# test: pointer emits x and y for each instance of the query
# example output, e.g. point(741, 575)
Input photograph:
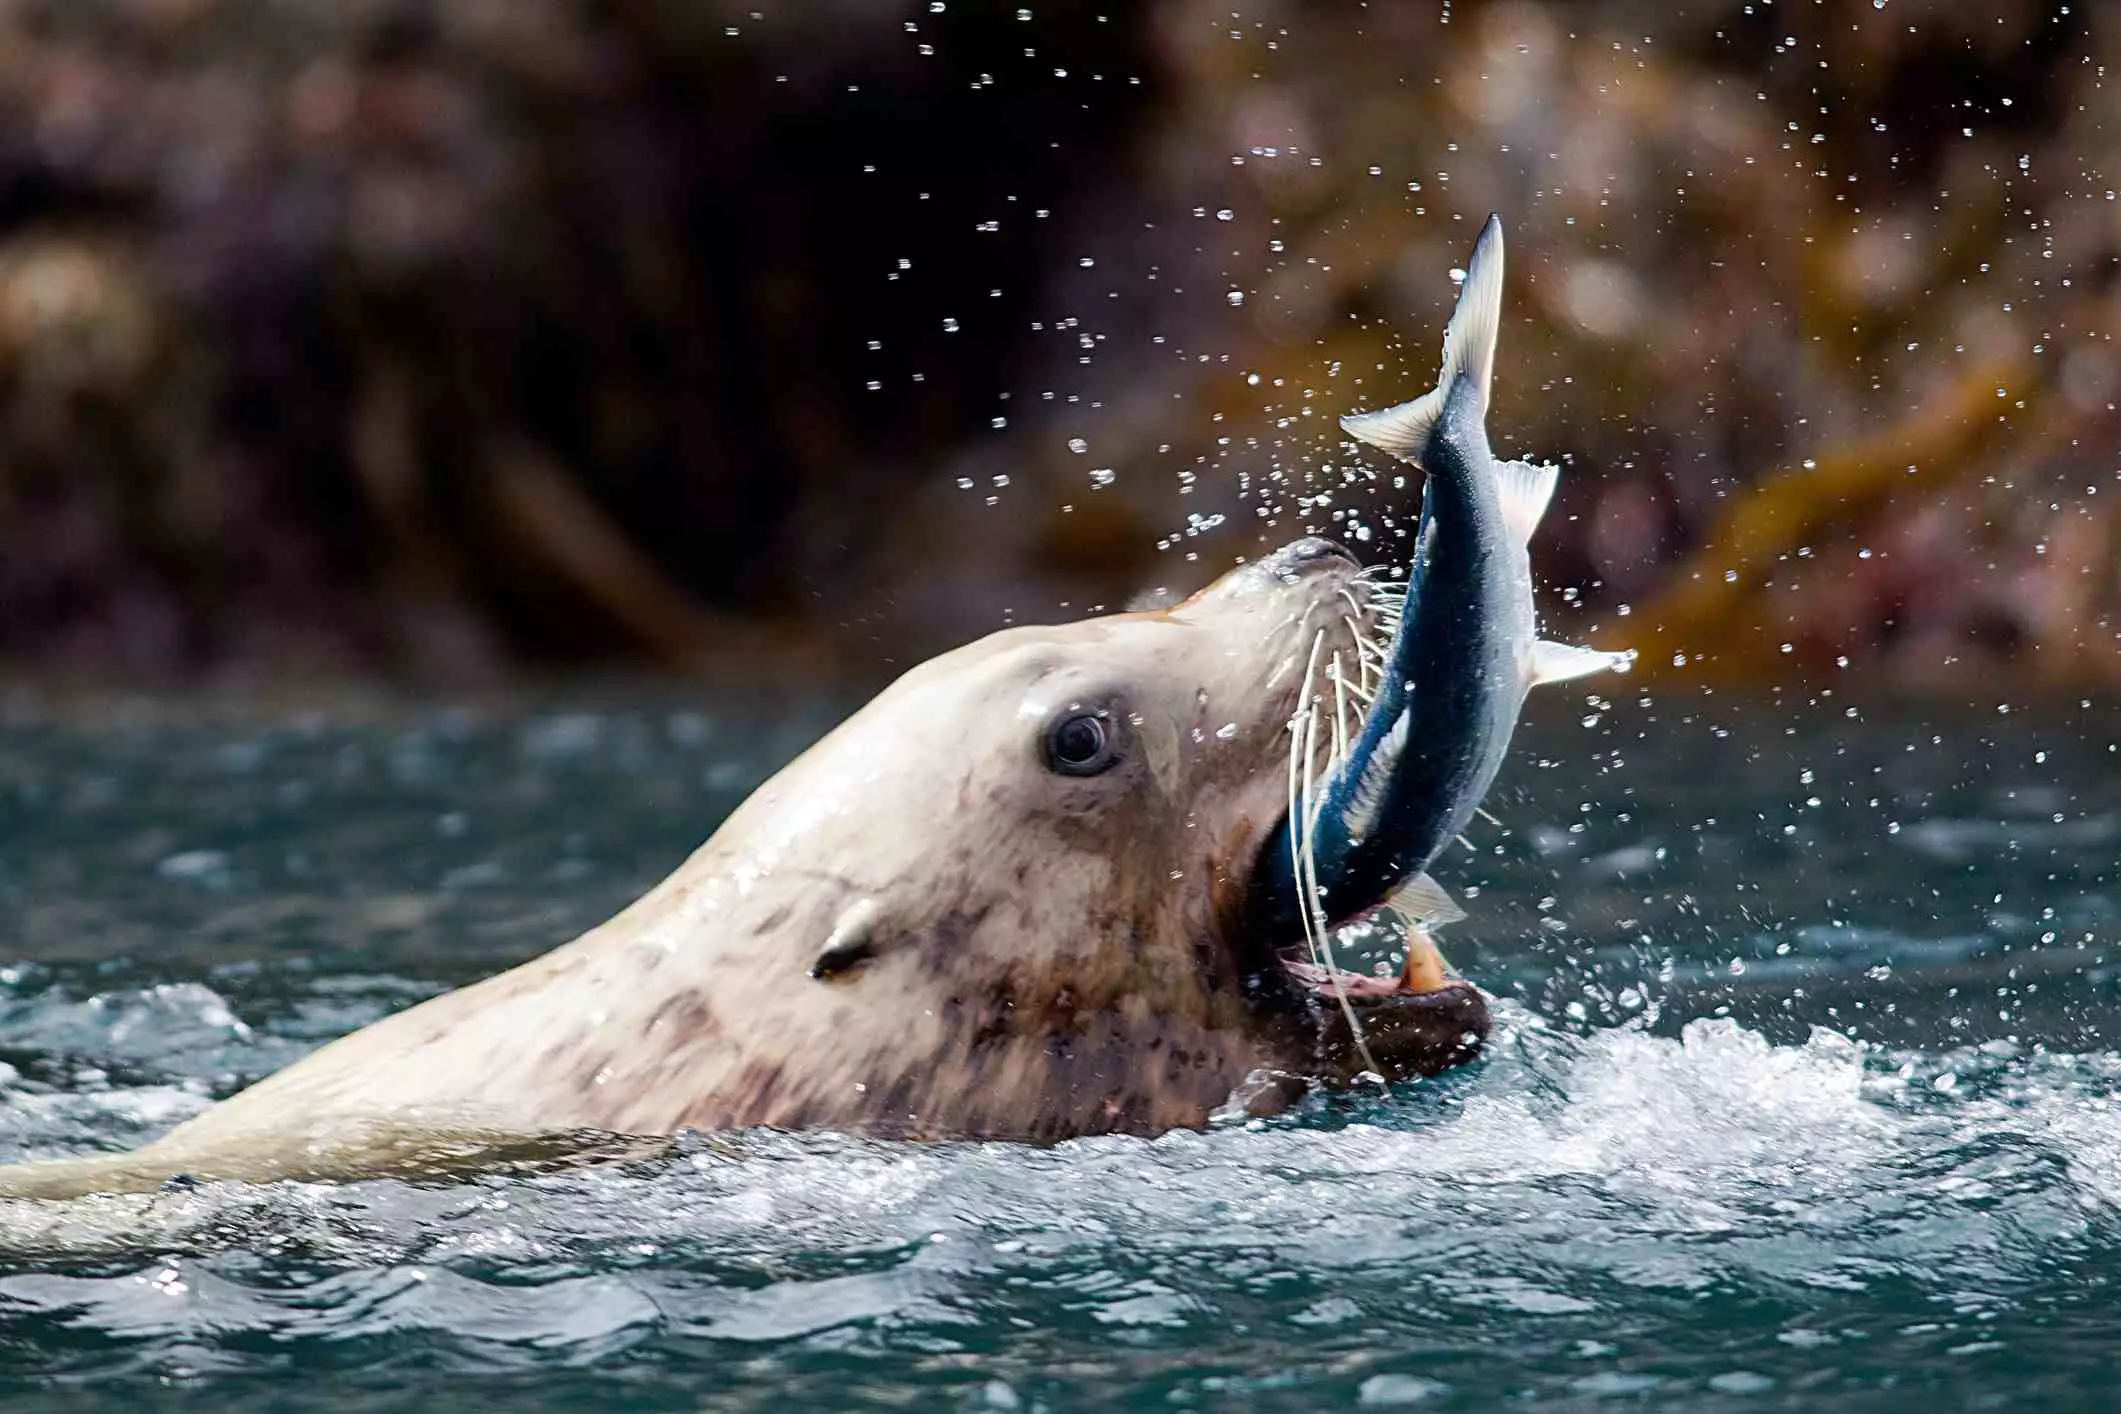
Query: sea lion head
point(1008, 896)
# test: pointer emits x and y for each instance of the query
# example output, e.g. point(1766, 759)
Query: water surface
point(1802, 1096)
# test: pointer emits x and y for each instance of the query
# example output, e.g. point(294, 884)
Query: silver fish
point(1465, 652)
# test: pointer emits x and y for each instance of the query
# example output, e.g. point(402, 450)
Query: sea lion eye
point(1080, 744)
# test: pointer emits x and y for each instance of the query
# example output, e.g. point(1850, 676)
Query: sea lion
point(1008, 898)
point(1046, 885)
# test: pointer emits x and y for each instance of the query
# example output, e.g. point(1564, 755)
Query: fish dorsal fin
point(1468, 359)
point(1559, 662)
point(1523, 489)
point(1422, 900)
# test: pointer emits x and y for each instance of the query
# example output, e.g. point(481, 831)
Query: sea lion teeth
point(1424, 970)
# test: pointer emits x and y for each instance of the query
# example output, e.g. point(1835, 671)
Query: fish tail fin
point(1461, 391)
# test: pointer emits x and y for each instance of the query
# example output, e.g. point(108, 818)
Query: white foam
point(1566, 1166)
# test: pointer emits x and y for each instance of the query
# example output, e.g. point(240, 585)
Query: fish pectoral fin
point(1524, 488)
point(1423, 902)
point(1559, 662)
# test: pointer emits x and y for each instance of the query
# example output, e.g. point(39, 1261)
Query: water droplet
point(193, 864)
point(1078, 446)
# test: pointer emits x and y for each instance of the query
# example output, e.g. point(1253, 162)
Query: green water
point(1802, 1097)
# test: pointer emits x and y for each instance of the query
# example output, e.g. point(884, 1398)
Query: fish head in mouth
point(1039, 849)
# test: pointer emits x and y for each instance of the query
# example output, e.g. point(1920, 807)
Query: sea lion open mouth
point(1415, 1022)
point(1409, 1028)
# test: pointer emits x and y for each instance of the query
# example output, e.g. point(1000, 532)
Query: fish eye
point(1081, 744)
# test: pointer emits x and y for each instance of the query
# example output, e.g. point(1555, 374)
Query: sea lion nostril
point(1309, 552)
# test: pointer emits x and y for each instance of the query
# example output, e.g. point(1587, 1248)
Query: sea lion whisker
point(1303, 727)
point(1300, 804)
point(1340, 711)
point(1357, 686)
point(1318, 933)
point(1300, 822)
point(1300, 733)
point(1365, 656)
point(1351, 703)
point(1304, 697)
point(1363, 696)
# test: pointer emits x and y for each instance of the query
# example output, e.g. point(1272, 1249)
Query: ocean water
point(1802, 1095)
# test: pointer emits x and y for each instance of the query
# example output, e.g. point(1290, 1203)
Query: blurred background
point(452, 341)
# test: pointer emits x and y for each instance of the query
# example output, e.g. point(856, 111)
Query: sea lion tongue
point(1423, 972)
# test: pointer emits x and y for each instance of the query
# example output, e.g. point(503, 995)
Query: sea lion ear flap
point(852, 941)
